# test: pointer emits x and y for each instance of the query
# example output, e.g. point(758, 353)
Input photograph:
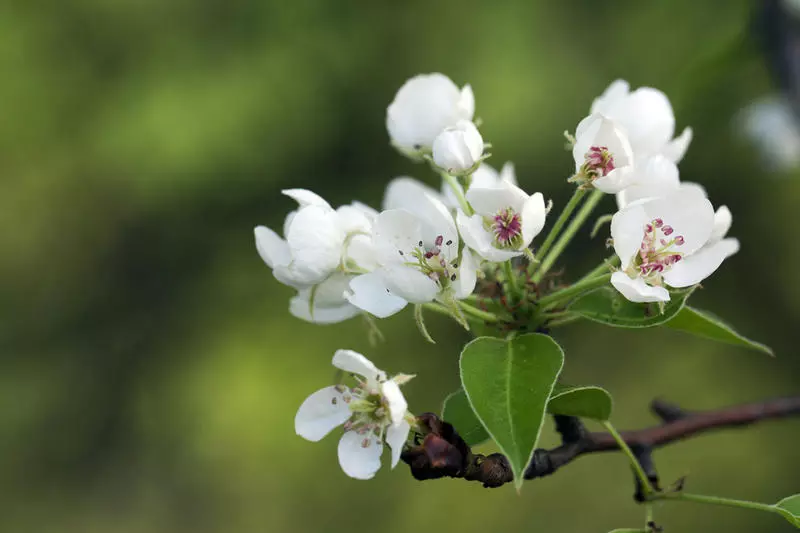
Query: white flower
point(372, 413)
point(655, 176)
point(668, 241)
point(484, 177)
point(505, 222)
point(419, 260)
point(405, 193)
point(646, 116)
point(602, 153)
point(322, 250)
point(424, 106)
point(458, 149)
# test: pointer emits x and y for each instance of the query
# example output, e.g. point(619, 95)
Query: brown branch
point(441, 452)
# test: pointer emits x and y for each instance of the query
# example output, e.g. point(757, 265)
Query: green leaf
point(458, 411)
point(789, 508)
point(628, 530)
point(704, 324)
point(585, 402)
point(508, 384)
point(607, 306)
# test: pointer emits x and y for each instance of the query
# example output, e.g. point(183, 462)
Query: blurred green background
point(150, 369)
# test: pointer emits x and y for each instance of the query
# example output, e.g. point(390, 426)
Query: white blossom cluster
point(430, 245)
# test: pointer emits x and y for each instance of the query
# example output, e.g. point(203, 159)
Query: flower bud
point(458, 149)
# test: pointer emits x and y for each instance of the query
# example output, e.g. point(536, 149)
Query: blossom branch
point(441, 452)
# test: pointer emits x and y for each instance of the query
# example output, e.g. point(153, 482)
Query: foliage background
point(150, 370)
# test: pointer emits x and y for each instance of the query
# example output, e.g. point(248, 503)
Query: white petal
point(397, 402)
point(320, 413)
point(648, 119)
point(615, 181)
point(467, 276)
point(689, 213)
point(357, 461)
point(485, 177)
point(695, 268)
point(405, 193)
point(655, 176)
point(614, 94)
point(508, 174)
point(371, 294)
point(627, 231)
point(355, 363)
point(533, 214)
point(272, 249)
point(396, 231)
point(300, 308)
point(479, 239)
point(353, 219)
point(409, 283)
point(466, 103)
point(723, 219)
point(396, 437)
point(488, 201)
point(305, 197)
point(676, 148)
point(598, 130)
point(316, 242)
point(458, 148)
point(361, 251)
point(636, 290)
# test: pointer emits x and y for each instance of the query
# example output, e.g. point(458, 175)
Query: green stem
point(647, 490)
point(584, 212)
point(511, 278)
point(452, 181)
point(573, 290)
point(716, 500)
point(477, 313)
point(558, 322)
point(562, 219)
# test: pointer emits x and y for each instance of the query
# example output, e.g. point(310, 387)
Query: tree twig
point(441, 452)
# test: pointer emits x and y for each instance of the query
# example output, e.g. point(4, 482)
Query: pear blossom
point(505, 222)
point(322, 250)
point(373, 412)
point(424, 106)
point(655, 176)
point(419, 259)
point(603, 155)
point(458, 149)
point(404, 193)
point(668, 242)
point(647, 117)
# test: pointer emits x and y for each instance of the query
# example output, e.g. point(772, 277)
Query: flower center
point(598, 162)
point(370, 411)
point(432, 262)
point(506, 226)
point(657, 252)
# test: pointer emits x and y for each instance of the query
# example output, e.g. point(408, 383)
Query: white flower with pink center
point(424, 106)
point(419, 260)
point(666, 242)
point(603, 155)
point(372, 412)
point(646, 116)
point(505, 222)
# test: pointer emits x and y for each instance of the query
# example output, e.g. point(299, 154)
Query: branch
point(441, 452)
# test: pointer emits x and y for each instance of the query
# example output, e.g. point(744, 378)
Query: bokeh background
point(149, 369)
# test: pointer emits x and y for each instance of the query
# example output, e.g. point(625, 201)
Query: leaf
point(789, 508)
point(704, 324)
point(585, 402)
point(628, 530)
point(607, 306)
point(458, 411)
point(508, 384)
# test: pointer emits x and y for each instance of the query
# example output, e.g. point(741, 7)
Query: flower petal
point(676, 148)
point(405, 193)
point(353, 219)
point(488, 201)
point(305, 197)
point(480, 240)
point(300, 308)
point(466, 104)
point(648, 119)
point(370, 293)
point(409, 283)
point(320, 413)
point(698, 266)
point(533, 214)
point(396, 437)
point(359, 461)
point(655, 176)
point(355, 363)
point(272, 249)
point(397, 402)
point(636, 290)
point(723, 219)
point(689, 213)
point(467, 275)
point(614, 94)
point(627, 232)
point(315, 241)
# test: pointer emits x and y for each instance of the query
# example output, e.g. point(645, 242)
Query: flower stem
point(602, 268)
point(573, 290)
point(565, 321)
point(458, 191)
point(716, 500)
point(584, 212)
point(477, 313)
point(647, 490)
point(562, 219)
point(511, 279)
